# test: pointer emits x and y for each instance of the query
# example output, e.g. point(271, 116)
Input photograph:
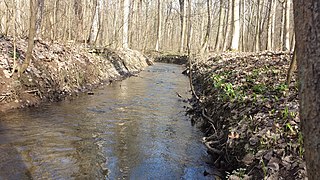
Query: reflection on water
point(134, 129)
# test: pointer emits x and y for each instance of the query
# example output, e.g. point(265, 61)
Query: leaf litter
point(249, 115)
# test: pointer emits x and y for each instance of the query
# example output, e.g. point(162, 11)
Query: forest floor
point(249, 116)
point(59, 71)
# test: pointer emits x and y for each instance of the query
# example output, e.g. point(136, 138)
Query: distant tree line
point(163, 25)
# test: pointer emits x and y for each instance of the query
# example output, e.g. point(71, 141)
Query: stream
point(131, 129)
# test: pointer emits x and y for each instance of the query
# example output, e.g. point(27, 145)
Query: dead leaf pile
point(249, 115)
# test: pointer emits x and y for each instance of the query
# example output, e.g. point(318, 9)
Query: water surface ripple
point(133, 129)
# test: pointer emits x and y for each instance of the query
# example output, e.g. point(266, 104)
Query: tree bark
point(257, 33)
point(189, 35)
point(307, 28)
point(292, 67)
point(287, 27)
point(274, 11)
point(183, 10)
point(236, 25)
point(250, 21)
point(243, 30)
point(95, 24)
point(40, 9)
point(220, 28)
point(115, 25)
point(270, 17)
point(126, 12)
point(139, 24)
point(206, 37)
point(159, 26)
point(70, 22)
point(283, 24)
point(146, 29)
point(228, 27)
point(32, 32)
point(55, 20)
point(14, 38)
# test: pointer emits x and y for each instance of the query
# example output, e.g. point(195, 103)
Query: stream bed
point(131, 129)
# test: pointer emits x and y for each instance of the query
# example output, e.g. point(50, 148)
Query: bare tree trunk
point(257, 31)
point(228, 27)
point(40, 9)
point(115, 24)
point(293, 42)
point(183, 10)
point(101, 32)
point(236, 25)
point(292, 67)
point(6, 26)
point(189, 35)
point(130, 24)
point(307, 28)
point(147, 25)
point(126, 12)
point(78, 19)
point(69, 22)
point(224, 27)
point(243, 19)
point(159, 26)
point(282, 29)
point(19, 23)
point(257, 36)
point(167, 26)
point(55, 20)
point(270, 17)
point(95, 24)
point(273, 30)
point(251, 47)
point(204, 46)
point(140, 15)
point(287, 27)
point(220, 28)
point(15, 63)
point(32, 32)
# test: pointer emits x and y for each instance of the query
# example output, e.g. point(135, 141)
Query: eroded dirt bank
point(168, 57)
point(57, 71)
point(249, 116)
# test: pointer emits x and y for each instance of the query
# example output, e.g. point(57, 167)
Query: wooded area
point(181, 26)
point(167, 25)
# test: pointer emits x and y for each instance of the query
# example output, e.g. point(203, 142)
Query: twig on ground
point(209, 120)
point(179, 95)
point(3, 96)
point(211, 149)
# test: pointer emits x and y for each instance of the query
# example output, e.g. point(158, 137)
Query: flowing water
point(133, 129)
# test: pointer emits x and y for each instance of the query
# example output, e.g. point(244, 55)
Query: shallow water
point(133, 129)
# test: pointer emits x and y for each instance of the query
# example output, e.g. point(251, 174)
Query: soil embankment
point(249, 116)
point(57, 71)
point(170, 58)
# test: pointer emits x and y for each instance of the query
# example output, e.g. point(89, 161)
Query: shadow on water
point(12, 165)
point(44, 144)
point(133, 129)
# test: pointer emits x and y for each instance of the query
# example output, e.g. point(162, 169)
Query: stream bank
point(249, 116)
point(58, 71)
point(168, 57)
